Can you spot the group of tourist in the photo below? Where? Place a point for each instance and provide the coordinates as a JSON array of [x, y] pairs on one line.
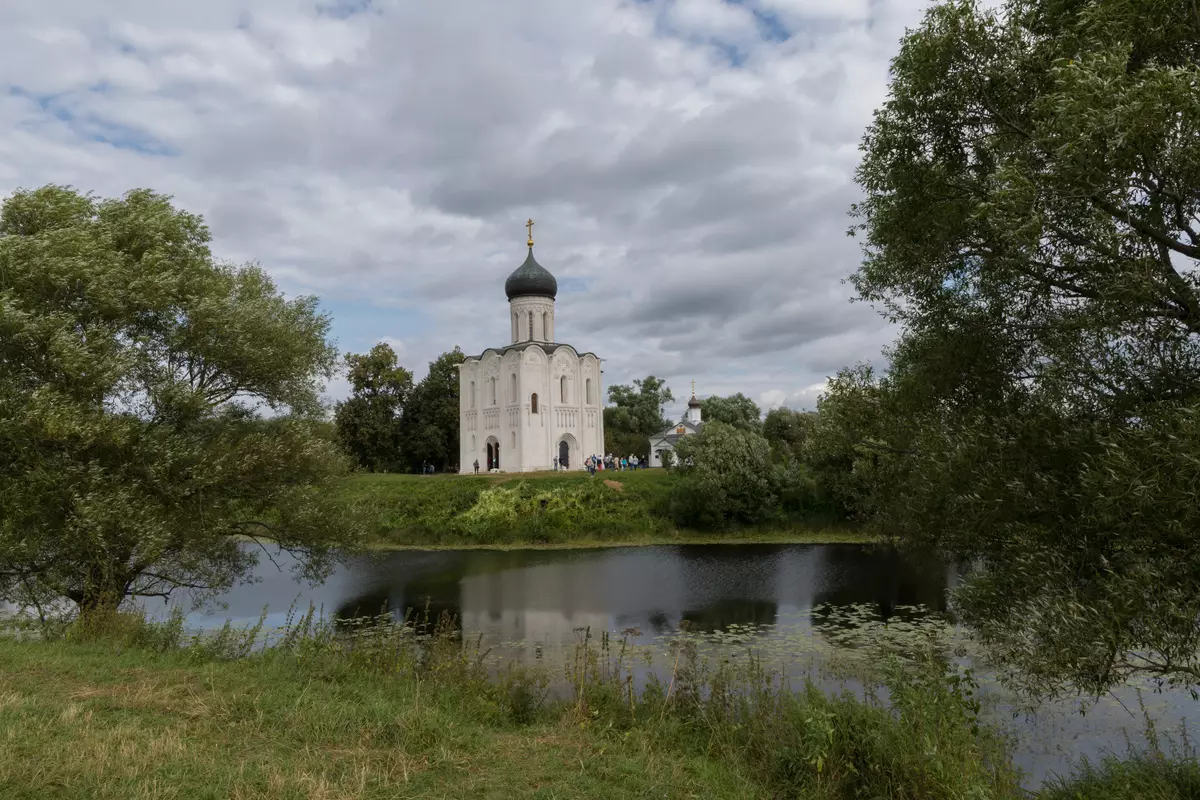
[[593, 464], [613, 463]]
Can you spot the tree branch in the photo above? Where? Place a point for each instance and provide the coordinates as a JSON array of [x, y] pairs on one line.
[[1181, 293], [1145, 228]]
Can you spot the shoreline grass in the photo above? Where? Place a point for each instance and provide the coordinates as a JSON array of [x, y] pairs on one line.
[[586, 543], [116, 707], [132, 710], [550, 510]]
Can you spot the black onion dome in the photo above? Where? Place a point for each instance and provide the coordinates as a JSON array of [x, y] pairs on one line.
[[531, 279], [693, 403]]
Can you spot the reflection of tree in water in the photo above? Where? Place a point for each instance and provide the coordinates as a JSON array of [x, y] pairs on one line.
[[366, 606], [879, 577], [421, 601], [729, 611], [660, 623]]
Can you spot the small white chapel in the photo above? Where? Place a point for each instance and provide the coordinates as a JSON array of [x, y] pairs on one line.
[[535, 403], [664, 441]]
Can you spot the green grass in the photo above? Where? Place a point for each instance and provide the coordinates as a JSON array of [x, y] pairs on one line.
[[382, 714], [83, 722], [131, 711], [1143, 776], [551, 509]]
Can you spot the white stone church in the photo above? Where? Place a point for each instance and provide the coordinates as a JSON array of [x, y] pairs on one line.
[[664, 442], [534, 400]]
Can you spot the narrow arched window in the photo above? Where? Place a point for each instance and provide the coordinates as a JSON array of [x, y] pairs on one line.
[[514, 327], [531, 326], [533, 402], [514, 438], [588, 391], [512, 391], [471, 400], [493, 391], [546, 327], [562, 388]]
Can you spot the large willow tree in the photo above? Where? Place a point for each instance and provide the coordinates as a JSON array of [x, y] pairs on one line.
[[133, 457], [1032, 220]]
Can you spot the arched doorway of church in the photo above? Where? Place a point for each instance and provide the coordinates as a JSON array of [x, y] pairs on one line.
[[567, 452], [493, 454]]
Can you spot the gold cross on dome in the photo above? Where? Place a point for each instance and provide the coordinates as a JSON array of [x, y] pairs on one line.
[[693, 388], [529, 225]]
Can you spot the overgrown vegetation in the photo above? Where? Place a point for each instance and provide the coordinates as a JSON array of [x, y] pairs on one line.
[[557, 508], [1032, 220], [114, 707], [134, 367], [635, 413], [388, 424], [124, 709]]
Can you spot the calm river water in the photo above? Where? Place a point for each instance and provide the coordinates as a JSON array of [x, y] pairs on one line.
[[541, 597]]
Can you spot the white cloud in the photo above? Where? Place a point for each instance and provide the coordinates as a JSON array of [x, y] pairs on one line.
[[399, 347], [772, 398], [689, 162]]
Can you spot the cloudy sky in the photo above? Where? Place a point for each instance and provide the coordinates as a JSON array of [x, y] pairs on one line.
[[689, 163]]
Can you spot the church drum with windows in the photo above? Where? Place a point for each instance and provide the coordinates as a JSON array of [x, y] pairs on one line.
[[534, 400]]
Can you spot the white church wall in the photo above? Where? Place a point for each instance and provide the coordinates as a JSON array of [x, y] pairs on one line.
[[501, 408], [534, 446], [538, 311]]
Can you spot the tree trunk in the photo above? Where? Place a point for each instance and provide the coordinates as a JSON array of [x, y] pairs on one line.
[[100, 594]]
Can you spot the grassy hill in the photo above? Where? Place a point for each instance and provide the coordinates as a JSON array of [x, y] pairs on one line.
[[549, 508]]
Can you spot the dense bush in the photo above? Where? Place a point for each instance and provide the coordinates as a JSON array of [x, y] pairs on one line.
[[726, 479]]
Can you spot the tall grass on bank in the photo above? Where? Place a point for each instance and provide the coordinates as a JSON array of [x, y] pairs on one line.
[[542, 508], [125, 708], [116, 707], [1152, 772]]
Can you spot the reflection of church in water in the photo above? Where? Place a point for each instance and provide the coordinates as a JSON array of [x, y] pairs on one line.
[[545, 598], [534, 402]]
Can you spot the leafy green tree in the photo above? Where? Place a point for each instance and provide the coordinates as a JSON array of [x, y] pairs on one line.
[[1032, 220], [133, 461], [634, 415], [370, 423], [431, 415], [736, 410], [787, 430], [727, 478]]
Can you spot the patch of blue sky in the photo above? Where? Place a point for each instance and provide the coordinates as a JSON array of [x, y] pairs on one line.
[[341, 9], [358, 326], [735, 55], [52, 104], [124, 137], [572, 285], [770, 29], [93, 128], [769, 25]]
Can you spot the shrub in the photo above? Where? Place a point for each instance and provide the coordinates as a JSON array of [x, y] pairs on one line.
[[727, 478]]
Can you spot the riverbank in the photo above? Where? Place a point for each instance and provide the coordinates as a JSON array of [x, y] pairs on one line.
[[800, 536], [552, 509], [144, 713], [138, 717]]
